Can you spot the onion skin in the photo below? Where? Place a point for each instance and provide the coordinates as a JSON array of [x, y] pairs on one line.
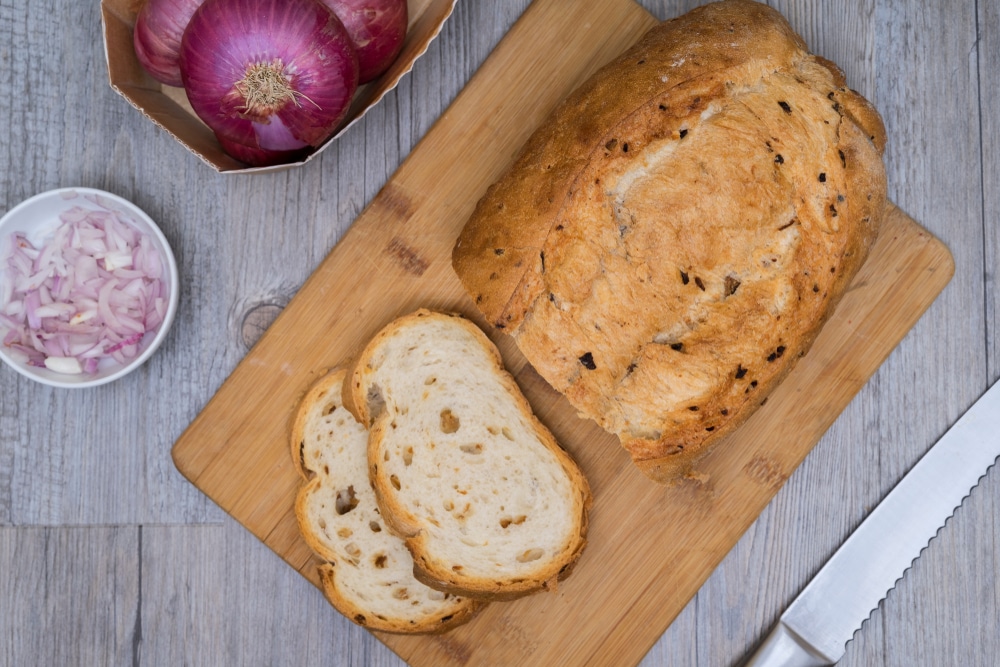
[[159, 26], [301, 42], [260, 157], [377, 29]]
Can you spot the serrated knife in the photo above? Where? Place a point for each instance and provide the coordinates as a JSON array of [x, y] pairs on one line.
[[816, 627]]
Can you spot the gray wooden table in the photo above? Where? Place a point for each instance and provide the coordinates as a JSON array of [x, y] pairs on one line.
[[109, 557]]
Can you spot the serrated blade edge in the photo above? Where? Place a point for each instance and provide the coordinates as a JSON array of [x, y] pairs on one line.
[[849, 587]]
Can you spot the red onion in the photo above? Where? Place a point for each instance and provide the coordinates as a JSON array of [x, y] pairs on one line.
[[157, 37], [270, 75], [92, 291], [377, 29]]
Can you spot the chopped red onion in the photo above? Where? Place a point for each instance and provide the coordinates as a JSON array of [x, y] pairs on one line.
[[92, 291]]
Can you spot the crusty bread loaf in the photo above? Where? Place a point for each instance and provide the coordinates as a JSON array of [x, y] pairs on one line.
[[673, 237], [488, 502], [368, 572]]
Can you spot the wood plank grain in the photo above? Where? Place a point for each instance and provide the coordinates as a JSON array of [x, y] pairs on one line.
[[988, 62], [194, 577], [935, 148], [649, 548], [97, 457], [46, 620]]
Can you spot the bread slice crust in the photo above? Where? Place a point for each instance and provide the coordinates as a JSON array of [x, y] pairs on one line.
[[671, 240], [488, 503], [366, 573]]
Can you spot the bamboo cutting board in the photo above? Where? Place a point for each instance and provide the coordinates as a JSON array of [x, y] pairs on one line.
[[650, 547]]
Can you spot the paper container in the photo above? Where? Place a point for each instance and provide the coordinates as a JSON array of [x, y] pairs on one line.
[[168, 107]]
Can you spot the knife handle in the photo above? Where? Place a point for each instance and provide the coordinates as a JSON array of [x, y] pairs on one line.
[[783, 648]]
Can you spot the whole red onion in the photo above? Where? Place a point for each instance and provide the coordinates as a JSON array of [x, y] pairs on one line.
[[377, 28], [270, 75], [159, 26]]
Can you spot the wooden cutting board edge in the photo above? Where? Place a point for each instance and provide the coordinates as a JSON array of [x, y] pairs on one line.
[[271, 519]]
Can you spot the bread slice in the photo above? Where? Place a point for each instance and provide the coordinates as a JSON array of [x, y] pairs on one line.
[[489, 504], [367, 572], [671, 240]]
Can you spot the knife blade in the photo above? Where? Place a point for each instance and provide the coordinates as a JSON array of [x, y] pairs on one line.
[[816, 626]]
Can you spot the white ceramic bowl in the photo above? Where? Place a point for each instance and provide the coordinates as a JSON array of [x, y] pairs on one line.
[[38, 217]]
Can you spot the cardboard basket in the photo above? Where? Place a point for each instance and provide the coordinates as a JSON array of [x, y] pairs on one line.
[[169, 109]]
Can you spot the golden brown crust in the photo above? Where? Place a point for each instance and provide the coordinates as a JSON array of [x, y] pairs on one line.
[[359, 411], [444, 623], [493, 260], [671, 240], [328, 380]]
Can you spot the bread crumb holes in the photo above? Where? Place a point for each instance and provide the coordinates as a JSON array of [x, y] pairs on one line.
[[449, 421], [530, 555], [346, 500]]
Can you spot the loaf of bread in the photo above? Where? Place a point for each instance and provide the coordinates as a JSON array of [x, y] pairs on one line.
[[489, 504], [671, 240], [367, 573]]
